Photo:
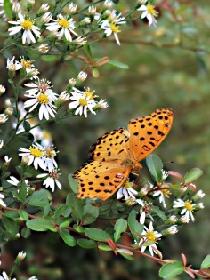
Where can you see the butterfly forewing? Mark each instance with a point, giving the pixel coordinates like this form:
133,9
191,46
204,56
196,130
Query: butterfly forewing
146,133
111,146
101,179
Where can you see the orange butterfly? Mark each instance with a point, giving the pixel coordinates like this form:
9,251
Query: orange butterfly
117,153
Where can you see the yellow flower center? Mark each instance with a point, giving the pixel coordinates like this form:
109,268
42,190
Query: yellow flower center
150,235
64,23
36,152
89,94
151,10
114,27
26,24
43,98
166,192
50,152
25,63
188,205
83,102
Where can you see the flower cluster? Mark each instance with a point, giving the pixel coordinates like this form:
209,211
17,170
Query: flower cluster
150,199
66,25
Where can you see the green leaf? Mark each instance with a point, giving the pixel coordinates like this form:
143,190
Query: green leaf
40,198
206,262
161,214
126,256
8,9
40,225
90,214
118,64
76,205
67,238
192,175
120,227
97,234
11,226
73,183
104,247
86,244
25,232
155,165
23,215
170,270
135,227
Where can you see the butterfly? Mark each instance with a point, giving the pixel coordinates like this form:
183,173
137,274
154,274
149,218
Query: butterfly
118,153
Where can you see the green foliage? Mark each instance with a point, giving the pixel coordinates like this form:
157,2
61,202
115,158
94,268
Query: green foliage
67,238
134,226
206,262
97,234
170,270
192,175
155,166
120,227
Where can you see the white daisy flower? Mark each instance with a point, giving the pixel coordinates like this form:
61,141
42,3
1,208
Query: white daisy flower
13,65
16,8
149,12
187,208
63,27
162,194
149,239
4,276
30,31
82,101
29,67
2,201
34,155
14,181
111,25
126,193
51,179
82,76
200,194
33,278
49,160
41,95
3,118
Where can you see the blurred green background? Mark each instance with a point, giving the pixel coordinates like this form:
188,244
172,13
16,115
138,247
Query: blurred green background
168,67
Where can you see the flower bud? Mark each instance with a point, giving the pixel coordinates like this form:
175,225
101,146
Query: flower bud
2,89
1,144
201,205
92,9
44,8
3,118
72,81
171,230
47,17
8,111
82,76
108,3
21,256
7,103
72,7
43,48
172,219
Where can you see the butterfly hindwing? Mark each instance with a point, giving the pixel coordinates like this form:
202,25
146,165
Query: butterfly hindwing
146,133
101,179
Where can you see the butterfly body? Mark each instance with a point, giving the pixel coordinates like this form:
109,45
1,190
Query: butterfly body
118,153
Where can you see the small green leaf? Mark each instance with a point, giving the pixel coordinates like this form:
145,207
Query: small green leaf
23,215
104,247
40,225
76,205
86,244
8,9
126,256
11,226
170,270
64,224
206,262
67,238
118,64
91,213
97,234
192,175
25,232
155,165
40,198
135,227
120,227
73,183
